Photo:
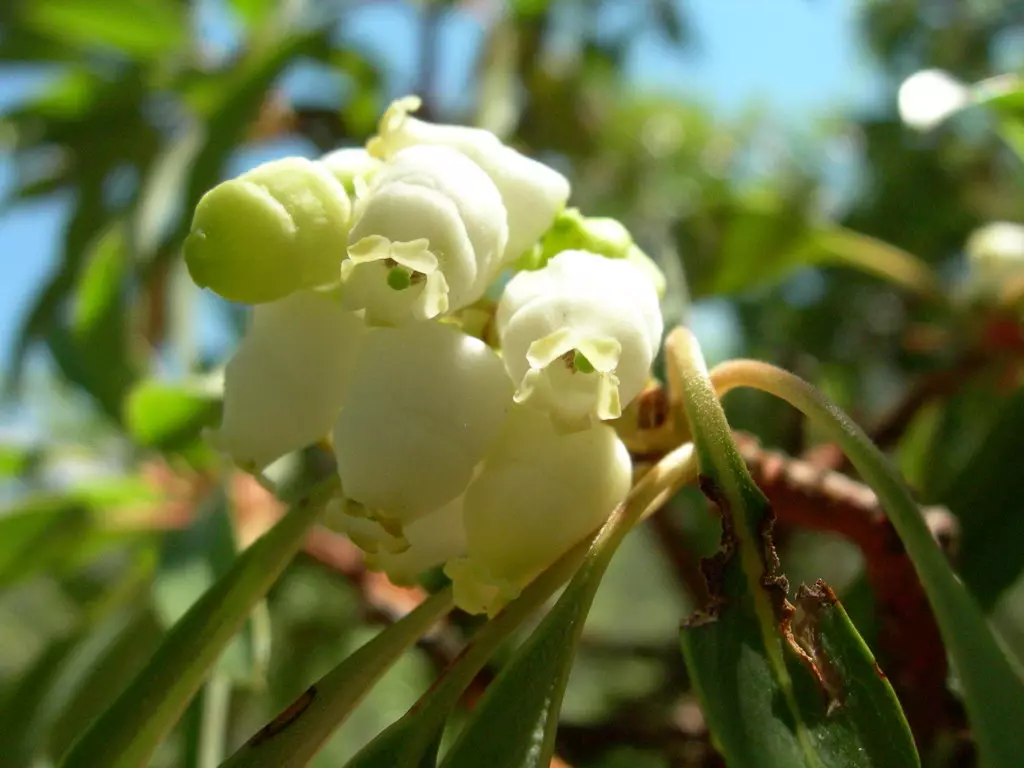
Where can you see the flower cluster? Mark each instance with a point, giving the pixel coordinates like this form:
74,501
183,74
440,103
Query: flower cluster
468,431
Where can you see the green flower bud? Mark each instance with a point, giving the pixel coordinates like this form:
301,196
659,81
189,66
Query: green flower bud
574,232
274,230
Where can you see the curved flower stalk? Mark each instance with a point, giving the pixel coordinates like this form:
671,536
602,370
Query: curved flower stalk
532,192
424,405
287,380
539,492
428,237
579,336
274,230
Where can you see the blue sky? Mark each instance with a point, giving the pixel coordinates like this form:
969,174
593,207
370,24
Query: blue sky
749,51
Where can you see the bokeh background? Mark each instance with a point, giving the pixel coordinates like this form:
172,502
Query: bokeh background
755,150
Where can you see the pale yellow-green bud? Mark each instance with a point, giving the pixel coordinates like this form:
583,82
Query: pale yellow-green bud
574,232
539,492
277,229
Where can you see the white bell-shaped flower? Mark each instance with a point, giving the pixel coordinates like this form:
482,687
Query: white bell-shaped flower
428,237
532,192
928,97
996,253
354,167
539,492
276,229
286,381
423,407
579,336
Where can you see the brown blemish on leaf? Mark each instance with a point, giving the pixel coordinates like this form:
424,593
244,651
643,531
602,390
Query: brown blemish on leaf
286,718
713,568
806,632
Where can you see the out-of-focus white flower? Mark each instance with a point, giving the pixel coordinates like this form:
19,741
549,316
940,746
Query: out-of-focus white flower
428,237
532,192
579,335
276,229
287,380
424,405
539,492
354,167
996,253
928,97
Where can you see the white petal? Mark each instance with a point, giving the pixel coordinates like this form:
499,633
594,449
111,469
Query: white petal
287,380
432,540
604,309
352,166
532,192
469,188
425,404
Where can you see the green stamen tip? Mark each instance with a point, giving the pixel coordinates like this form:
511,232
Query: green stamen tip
580,362
399,278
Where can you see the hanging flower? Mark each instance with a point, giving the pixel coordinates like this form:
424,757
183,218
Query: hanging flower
423,407
539,492
532,192
579,336
286,381
428,237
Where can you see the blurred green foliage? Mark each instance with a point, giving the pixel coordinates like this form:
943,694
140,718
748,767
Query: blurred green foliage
140,117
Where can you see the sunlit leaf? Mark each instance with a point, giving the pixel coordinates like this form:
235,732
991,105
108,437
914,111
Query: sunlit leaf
141,28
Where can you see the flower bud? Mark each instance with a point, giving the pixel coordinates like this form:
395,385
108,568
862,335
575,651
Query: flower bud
274,230
572,231
423,407
532,192
286,381
428,237
539,492
352,166
579,336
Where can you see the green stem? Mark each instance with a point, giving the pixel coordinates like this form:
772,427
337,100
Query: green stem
992,684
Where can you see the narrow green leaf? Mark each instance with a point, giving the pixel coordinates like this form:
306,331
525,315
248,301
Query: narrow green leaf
868,254
293,737
770,699
191,561
170,416
411,742
130,730
140,28
992,684
986,497
515,724
206,722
